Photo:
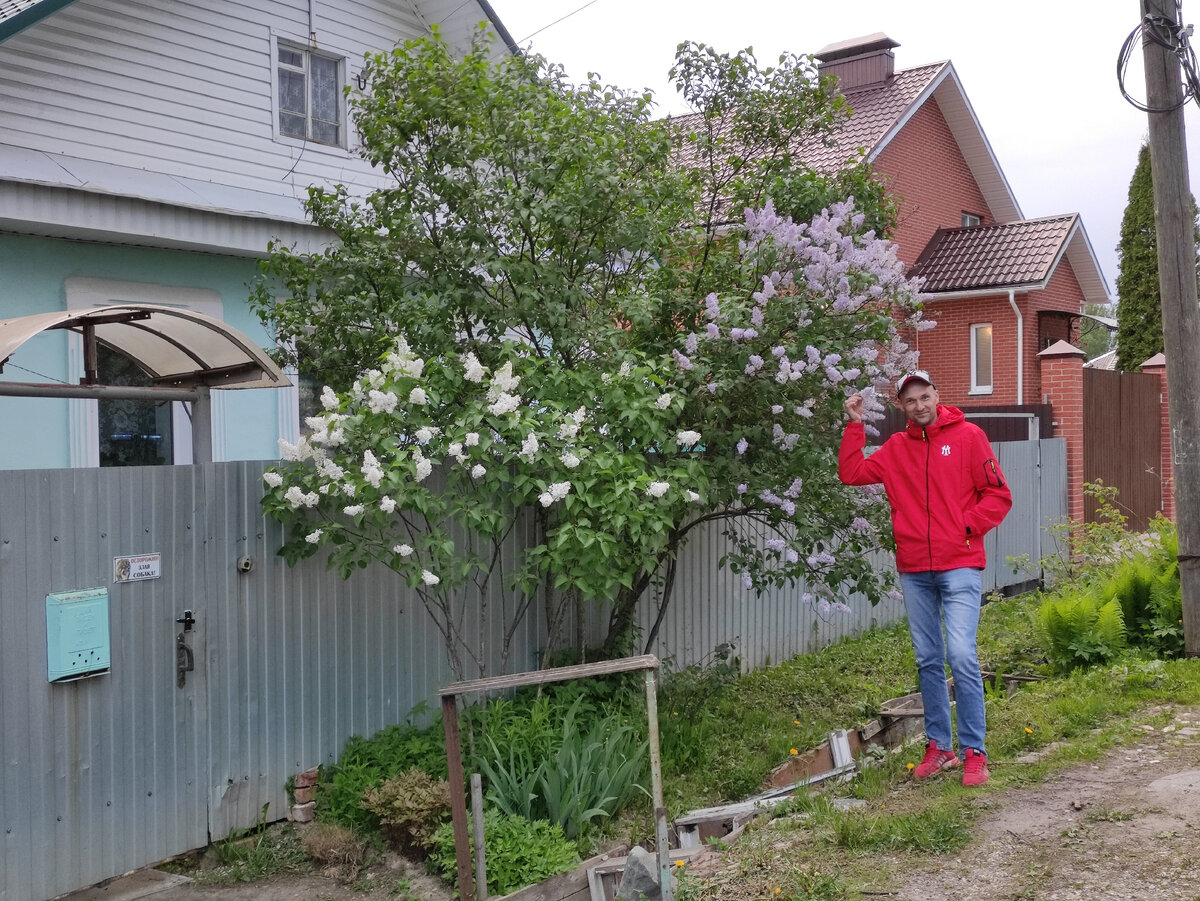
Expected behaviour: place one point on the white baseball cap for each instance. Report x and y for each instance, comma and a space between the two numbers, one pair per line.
916, 375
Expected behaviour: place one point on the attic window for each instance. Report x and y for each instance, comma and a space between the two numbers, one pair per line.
970, 220
310, 92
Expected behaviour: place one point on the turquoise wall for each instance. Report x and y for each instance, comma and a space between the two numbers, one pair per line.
33, 272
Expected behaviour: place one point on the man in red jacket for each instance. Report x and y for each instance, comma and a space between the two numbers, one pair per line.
946, 492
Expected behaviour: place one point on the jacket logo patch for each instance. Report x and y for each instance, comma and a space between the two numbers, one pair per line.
945, 450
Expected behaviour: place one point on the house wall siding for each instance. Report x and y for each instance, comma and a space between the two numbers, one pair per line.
184, 89
924, 166
35, 273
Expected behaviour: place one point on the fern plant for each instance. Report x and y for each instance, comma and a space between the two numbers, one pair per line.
1082, 630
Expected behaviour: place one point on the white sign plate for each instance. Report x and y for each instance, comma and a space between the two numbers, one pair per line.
137, 568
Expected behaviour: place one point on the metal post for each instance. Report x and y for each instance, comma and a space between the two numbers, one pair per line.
458, 795
480, 850
1174, 224
656, 788
202, 426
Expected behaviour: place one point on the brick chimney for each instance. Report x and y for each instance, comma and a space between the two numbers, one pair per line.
858, 62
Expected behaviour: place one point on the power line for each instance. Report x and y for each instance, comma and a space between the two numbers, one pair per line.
35, 372
556, 21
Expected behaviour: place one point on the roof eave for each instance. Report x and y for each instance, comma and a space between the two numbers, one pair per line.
968, 134
30, 16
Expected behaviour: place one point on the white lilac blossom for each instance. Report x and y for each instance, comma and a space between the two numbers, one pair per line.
471, 439
384, 401
742, 445
298, 498
417, 397
273, 479
555, 492
503, 381
504, 403
693, 497
529, 447
776, 409
402, 549
569, 460
473, 370
314, 536
455, 450
348, 489
353, 509
387, 504
371, 469
478, 471
657, 489
625, 369
747, 582
429, 578
424, 468
424, 435
687, 438
664, 401
329, 400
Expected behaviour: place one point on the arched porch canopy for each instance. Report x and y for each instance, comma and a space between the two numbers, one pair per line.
184, 352
176, 347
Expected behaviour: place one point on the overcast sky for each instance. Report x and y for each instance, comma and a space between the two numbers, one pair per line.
1040, 74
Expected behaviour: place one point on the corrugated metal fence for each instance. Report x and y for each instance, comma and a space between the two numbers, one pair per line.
112, 772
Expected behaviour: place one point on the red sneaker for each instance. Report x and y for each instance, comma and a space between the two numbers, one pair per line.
975, 771
935, 761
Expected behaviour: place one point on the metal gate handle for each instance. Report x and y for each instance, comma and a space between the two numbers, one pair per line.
185, 661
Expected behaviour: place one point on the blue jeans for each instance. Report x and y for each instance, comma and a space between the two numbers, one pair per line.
953, 596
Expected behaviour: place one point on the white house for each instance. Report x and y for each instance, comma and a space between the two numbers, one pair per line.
149, 152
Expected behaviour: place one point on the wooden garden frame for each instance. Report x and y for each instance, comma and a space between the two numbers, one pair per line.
458, 795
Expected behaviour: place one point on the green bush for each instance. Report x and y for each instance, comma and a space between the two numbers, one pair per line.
409, 807
518, 852
367, 762
1082, 629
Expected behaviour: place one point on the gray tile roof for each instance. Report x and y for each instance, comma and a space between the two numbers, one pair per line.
993, 256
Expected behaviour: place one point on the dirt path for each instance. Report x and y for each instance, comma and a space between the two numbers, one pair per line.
1126, 828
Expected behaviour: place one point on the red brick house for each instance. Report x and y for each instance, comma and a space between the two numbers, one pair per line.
1002, 288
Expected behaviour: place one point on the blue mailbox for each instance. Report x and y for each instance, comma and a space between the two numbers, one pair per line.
77, 634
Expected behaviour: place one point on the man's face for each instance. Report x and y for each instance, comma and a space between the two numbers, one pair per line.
919, 402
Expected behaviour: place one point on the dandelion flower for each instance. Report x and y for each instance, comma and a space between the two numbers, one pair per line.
794, 752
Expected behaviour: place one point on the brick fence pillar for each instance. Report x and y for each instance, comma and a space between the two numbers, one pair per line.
1062, 383
1157, 365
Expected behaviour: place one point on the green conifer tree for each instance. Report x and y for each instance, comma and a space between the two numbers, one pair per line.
1139, 307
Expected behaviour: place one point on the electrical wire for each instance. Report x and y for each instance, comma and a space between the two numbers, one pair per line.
556, 21
1175, 37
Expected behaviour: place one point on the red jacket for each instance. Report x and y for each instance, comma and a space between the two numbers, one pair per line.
943, 483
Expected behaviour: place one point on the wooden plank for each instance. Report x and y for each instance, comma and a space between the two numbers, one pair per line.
554, 674
564, 886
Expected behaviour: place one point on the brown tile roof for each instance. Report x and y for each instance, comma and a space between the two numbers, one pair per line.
993, 256
875, 109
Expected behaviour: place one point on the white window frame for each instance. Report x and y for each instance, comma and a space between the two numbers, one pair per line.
978, 387
970, 220
301, 46
84, 413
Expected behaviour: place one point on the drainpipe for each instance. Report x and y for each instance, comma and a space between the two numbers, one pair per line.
1012, 302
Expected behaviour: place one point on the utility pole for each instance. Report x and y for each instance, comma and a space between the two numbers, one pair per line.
1175, 228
